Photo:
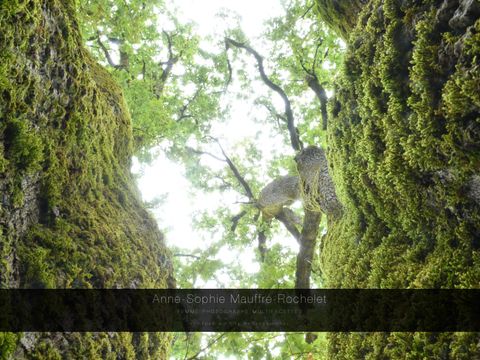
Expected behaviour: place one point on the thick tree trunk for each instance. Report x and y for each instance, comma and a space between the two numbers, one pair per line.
70, 215
404, 146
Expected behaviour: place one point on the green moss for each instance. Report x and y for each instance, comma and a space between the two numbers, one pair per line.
403, 144
8, 344
71, 214
45, 351
3, 161
340, 15
24, 147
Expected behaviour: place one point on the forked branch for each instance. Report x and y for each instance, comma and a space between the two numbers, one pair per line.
294, 138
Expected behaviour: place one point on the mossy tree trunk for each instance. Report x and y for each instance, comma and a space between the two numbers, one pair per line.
70, 215
404, 148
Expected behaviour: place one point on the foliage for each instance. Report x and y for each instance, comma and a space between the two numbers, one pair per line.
169, 82
249, 346
304, 47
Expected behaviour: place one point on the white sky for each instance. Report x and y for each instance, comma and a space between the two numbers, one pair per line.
165, 177
252, 12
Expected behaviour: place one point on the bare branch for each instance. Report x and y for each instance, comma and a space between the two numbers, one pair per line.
144, 70
115, 41
187, 255
272, 111
237, 174
315, 56
294, 138
302, 64
314, 84
287, 221
106, 52
199, 152
308, 10
226, 184
229, 66
244, 202
231, 165
262, 245
326, 53
236, 219
183, 110
211, 343
319, 91
172, 60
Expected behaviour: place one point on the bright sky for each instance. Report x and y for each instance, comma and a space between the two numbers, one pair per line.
252, 12
163, 177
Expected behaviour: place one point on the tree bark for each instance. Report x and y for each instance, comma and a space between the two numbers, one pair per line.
340, 15
404, 151
308, 242
70, 214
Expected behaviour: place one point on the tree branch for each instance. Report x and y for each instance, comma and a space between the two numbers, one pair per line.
314, 84
272, 111
308, 10
206, 346
236, 219
106, 52
319, 91
199, 152
315, 56
187, 255
183, 110
262, 245
172, 60
294, 138
144, 70
237, 174
229, 66
308, 239
289, 224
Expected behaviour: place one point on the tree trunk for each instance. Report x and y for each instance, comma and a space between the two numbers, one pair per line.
70, 214
404, 147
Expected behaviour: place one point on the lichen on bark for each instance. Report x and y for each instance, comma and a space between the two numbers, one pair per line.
70, 213
403, 147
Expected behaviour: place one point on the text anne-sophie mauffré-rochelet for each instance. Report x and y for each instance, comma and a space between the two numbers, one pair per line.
280, 298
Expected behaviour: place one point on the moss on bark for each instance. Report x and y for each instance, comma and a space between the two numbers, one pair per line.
404, 150
70, 214
340, 15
